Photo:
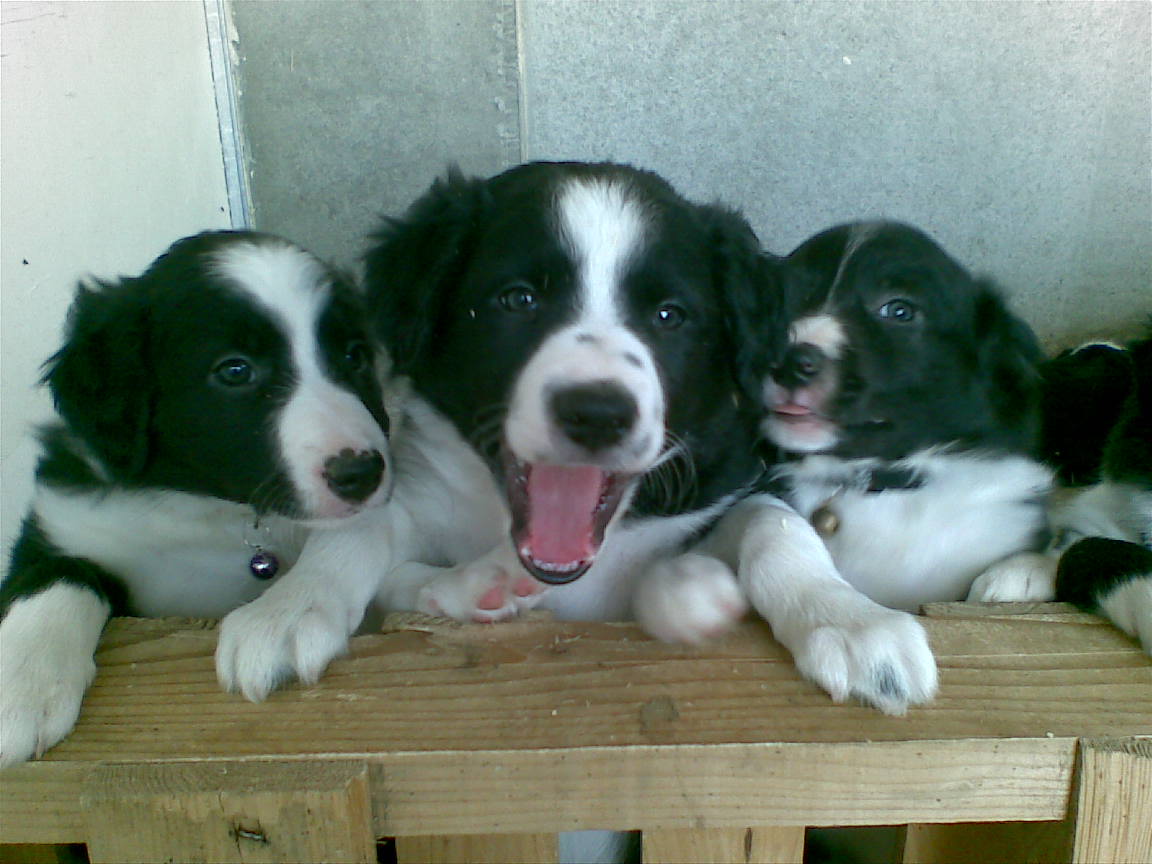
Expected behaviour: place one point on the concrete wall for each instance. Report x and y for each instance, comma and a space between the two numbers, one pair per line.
110, 152
1019, 133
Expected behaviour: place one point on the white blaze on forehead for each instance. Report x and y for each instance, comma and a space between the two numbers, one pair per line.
603, 227
823, 331
289, 283
320, 419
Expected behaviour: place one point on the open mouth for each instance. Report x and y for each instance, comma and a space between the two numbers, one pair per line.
559, 515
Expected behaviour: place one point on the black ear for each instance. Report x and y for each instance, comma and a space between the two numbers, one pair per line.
413, 259
99, 379
1010, 357
751, 288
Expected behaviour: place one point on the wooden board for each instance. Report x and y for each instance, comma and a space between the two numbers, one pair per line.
539, 726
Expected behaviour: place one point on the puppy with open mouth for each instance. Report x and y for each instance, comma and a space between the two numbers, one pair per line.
573, 325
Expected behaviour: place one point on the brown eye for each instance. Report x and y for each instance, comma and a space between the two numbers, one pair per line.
234, 372
669, 316
520, 297
358, 356
899, 310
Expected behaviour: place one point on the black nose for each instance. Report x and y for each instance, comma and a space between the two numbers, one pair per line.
596, 415
801, 364
354, 476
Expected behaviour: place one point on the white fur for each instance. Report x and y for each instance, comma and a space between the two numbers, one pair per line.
178, 554
603, 228
846, 643
907, 547
689, 598
320, 419
46, 646
1025, 577
1129, 607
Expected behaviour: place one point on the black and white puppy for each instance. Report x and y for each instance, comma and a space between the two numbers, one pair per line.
568, 330
908, 405
904, 409
574, 324
210, 411
1100, 556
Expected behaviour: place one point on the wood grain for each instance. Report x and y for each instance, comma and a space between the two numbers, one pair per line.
545, 726
1114, 802
761, 845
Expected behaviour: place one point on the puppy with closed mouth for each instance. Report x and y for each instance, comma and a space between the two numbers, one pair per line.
902, 413
211, 413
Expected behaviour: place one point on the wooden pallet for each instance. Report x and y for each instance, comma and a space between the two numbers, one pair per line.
479, 743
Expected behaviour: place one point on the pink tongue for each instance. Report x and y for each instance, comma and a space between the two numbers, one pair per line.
793, 409
561, 503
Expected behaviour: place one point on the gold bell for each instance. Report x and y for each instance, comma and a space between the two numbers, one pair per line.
825, 521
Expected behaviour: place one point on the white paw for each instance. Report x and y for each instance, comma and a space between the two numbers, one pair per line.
275, 638
40, 696
1023, 577
46, 647
855, 647
690, 598
483, 591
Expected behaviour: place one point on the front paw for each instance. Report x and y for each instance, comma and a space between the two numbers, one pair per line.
880, 656
268, 642
1028, 576
483, 591
690, 598
39, 700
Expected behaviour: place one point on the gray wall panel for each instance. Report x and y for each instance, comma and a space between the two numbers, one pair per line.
350, 108
1018, 133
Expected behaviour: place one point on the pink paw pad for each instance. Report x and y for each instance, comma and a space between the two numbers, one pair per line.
491, 599
526, 586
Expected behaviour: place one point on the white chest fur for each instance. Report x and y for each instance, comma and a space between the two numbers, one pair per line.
907, 547
178, 554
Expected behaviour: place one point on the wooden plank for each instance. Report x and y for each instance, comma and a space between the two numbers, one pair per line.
478, 849
244, 812
445, 715
726, 786
568, 684
1114, 802
989, 843
762, 845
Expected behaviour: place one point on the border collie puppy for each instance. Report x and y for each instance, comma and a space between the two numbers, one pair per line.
210, 410
575, 326
904, 409
1100, 557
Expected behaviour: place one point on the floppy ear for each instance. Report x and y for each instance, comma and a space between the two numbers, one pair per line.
752, 293
1010, 356
99, 379
412, 260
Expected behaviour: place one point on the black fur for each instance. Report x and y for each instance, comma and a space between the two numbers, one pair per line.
962, 369
1093, 568
435, 277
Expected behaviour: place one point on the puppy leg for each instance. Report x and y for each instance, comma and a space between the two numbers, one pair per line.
840, 639
492, 588
688, 598
304, 620
46, 645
